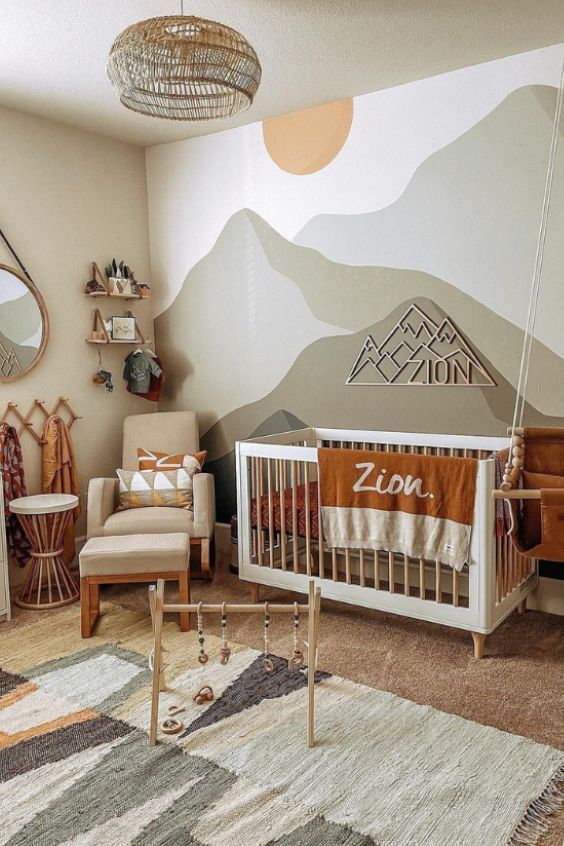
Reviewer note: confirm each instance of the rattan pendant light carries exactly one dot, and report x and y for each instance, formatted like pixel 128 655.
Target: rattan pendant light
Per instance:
pixel 183 68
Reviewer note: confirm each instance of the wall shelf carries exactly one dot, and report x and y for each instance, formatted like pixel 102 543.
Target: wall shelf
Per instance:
pixel 136 343
pixel 116 296
pixel 99 327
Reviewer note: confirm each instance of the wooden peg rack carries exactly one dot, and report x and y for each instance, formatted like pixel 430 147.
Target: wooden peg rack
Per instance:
pixel 27 423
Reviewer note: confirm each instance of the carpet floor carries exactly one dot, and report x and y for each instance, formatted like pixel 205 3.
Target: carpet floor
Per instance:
pixel 517 688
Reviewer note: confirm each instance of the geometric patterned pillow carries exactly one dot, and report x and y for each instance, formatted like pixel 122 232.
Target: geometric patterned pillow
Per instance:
pixel 151 460
pixel 162 489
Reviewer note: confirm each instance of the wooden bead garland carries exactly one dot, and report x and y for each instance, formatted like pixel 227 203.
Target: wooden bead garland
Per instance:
pixel 225 652
pixel 267 663
pixel 296 662
pixel 202 657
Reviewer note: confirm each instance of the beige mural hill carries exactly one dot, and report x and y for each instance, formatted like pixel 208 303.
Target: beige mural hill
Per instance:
pixel 470 215
pixel 233 316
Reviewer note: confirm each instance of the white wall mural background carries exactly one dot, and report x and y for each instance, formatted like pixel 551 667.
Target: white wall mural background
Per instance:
pixel 276 249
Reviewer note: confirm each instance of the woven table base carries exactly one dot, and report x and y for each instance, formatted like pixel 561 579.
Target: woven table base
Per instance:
pixel 49 583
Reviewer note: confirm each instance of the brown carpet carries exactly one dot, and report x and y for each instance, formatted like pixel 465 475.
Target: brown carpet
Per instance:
pixel 518 687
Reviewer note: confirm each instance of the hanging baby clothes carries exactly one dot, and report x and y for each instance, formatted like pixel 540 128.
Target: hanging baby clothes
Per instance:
pixel 60 472
pixel 12 470
pixel 144 375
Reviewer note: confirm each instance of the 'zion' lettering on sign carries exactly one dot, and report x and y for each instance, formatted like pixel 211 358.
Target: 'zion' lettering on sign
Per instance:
pixel 396 484
pixel 419 351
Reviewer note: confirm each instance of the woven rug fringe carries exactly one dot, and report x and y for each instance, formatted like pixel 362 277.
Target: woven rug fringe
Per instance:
pixel 535 822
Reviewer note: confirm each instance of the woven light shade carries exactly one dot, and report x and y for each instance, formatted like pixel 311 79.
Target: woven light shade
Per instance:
pixel 183 68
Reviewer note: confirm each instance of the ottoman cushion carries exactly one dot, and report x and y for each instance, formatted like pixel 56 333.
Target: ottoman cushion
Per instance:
pixel 122 555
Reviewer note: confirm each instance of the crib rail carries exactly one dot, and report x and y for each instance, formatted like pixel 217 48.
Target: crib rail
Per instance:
pixel 279 516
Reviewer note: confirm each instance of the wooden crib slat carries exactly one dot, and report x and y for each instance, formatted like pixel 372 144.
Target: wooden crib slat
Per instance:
pixel 270 513
pixel 334 567
pixel 377 569
pixel 307 518
pixel 421 578
pixel 295 551
pixel 406 575
pixel 260 538
pixel 361 568
pixel 455 587
pixel 253 498
pixel 282 502
pixel 391 581
pixel 321 545
pixel 438 590
pixel 348 566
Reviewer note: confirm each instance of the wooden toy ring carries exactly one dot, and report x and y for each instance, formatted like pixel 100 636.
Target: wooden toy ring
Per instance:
pixel 204 694
pixel 171 726
pixel 172 710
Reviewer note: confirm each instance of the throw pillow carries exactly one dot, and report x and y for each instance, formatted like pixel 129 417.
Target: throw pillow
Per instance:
pixel 148 459
pixel 162 489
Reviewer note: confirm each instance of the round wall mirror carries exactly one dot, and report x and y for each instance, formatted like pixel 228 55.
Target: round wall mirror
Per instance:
pixel 24 326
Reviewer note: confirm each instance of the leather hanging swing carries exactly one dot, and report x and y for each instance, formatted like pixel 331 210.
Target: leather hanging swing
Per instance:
pixel 533 481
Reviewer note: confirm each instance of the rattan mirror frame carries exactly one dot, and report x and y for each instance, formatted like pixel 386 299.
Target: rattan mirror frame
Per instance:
pixel 44 317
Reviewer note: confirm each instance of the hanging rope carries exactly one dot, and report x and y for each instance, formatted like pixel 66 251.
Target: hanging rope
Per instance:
pixel 539 258
pixel 15 257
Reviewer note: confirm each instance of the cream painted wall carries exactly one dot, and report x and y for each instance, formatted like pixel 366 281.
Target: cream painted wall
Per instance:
pixel 68 197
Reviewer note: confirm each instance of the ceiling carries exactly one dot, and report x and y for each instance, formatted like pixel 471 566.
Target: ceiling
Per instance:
pixel 52 56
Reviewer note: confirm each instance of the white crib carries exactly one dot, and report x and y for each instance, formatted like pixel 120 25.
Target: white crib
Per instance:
pixel 495 581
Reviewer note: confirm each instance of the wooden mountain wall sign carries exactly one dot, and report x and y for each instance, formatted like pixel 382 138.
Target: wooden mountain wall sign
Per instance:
pixel 420 351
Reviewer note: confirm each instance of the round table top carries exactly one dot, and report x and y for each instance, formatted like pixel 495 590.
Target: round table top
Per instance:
pixel 43 504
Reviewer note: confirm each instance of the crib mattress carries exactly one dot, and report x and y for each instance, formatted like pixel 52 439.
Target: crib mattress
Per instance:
pixel 301 510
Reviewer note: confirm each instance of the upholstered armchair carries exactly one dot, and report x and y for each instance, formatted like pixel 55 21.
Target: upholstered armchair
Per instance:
pixel 172 432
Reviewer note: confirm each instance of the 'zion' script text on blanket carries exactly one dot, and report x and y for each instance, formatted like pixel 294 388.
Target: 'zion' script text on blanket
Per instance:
pixel 417 505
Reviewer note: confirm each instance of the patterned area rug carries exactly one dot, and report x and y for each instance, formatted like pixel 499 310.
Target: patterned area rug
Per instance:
pixel 76 768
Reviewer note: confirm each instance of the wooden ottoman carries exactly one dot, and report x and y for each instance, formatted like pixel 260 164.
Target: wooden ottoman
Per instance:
pixel 124 559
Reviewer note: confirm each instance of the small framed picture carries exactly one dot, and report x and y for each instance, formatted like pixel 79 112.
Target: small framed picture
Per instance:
pixel 123 329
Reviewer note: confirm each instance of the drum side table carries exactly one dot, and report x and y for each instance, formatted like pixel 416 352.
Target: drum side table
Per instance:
pixel 44 519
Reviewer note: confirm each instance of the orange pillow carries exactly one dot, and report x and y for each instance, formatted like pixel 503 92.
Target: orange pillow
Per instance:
pixel 149 460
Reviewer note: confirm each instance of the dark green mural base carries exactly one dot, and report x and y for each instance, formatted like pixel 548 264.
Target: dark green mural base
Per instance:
pixel 223 469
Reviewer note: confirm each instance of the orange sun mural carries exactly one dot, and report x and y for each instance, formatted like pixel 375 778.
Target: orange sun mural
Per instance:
pixel 305 142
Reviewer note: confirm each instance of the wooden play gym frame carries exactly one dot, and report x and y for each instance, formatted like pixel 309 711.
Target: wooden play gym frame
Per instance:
pixel 158 607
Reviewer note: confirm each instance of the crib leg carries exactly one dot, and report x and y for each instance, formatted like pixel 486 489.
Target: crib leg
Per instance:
pixel 522 607
pixel 479 643
pixel 255 593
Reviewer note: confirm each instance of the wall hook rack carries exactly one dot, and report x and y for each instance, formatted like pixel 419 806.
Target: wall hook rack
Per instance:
pixel 29 422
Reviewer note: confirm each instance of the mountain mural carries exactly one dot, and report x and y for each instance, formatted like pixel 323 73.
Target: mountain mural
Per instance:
pixel 419 351
pixel 470 215
pixel 356 321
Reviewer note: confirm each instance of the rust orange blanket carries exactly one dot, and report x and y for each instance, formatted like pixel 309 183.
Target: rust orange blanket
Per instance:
pixel 418 505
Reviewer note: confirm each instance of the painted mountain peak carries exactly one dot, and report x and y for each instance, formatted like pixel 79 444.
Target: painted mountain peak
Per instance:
pixel 419 351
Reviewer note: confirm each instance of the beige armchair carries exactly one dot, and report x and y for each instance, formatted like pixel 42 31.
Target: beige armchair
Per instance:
pixel 172 432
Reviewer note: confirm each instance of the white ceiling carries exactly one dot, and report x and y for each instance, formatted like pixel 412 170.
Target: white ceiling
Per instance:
pixel 53 54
